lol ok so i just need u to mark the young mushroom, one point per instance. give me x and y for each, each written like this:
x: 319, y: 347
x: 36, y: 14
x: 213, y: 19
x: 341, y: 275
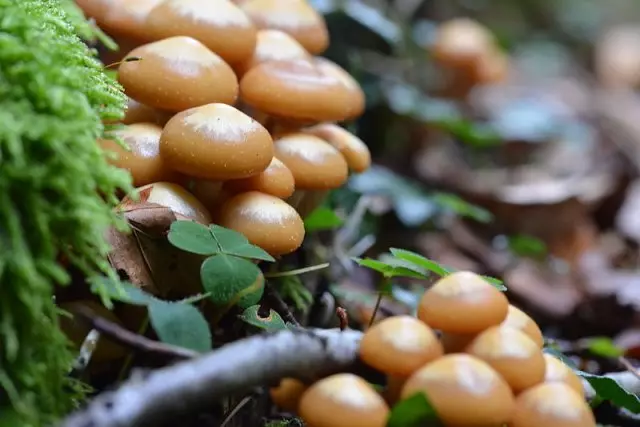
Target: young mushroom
x: 177, y: 73
x: 220, y: 25
x: 464, y: 391
x: 515, y: 356
x: 294, y: 17
x: 551, y: 405
x: 354, y: 151
x: 276, y: 180
x: 266, y: 221
x: 137, y: 112
x: 342, y: 400
x: 317, y: 167
x: 558, y: 371
x: 463, y: 303
x: 120, y: 18
x: 520, y: 320
x: 460, y: 43
x: 272, y: 45
x: 287, y: 394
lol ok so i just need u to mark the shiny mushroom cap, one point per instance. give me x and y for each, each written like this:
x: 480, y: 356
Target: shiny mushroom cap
x: 464, y: 391
x: 121, y: 18
x: 512, y: 354
x: 266, y: 221
x: 177, y: 73
x: 220, y: 25
x: 463, y: 303
x: 354, y: 151
x: 272, y: 45
x: 558, y: 371
x: 287, y: 394
x: 298, y: 89
x: 137, y: 112
x: 294, y: 17
x: 520, y: 320
x: 461, y: 42
x: 551, y: 405
x: 314, y: 163
x: 142, y: 159
x: 343, y: 400
x: 276, y: 180
x: 216, y: 142
x: 399, y: 345
x: 358, y: 101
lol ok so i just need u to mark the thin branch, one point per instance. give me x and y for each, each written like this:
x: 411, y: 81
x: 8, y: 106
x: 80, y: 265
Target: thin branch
x: 278, y: 304
x: 188, y: 386
x: 629, y: 367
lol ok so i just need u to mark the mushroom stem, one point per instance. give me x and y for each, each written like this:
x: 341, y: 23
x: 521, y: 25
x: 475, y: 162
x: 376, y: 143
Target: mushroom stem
x: 306, y: 202
x: 208, y: 192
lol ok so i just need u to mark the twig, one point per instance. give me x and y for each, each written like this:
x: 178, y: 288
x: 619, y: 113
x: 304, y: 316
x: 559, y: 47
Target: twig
x: 629, y: 367
x: 343, y: 317
x: 279, y: 305
x: 235, y: 368
x: 236, y: 409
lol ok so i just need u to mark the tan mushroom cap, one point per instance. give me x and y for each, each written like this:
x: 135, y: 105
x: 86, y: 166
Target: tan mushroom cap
x: 463, y: 303
x: 558, y: 371
x: 173, y: 196
x: 520, y: 320
x: 455, y: 343
x: 515, y: 356
x: 297, y: 89
x: 399, y: 345
x: 354, y: 151
x: 220, y: 25
x: 267, y: 221
x: 177, y: 73
x: 294, y: 17
x: 276, y: 180
x: 216, y: 142
x: 357, y: 96
x: 314, y: 163
x: 272, y: 45
x: 551, y: 405
x: 122, y: 18
x: 343, y: 400
x: 617, y: 59
x: 287, y: 394
x: 464, y: 391
x: 492, y: 67
x: 143, y: 160
x: 461, y: 42
x: 137, y: 112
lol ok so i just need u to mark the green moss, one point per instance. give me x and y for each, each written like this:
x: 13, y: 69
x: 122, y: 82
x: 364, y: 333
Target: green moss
x: 56, y: 197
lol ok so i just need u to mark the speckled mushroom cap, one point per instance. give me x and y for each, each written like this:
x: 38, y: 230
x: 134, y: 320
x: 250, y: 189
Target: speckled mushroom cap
x: 551, y: 405
x: 266, y: 221
x: 354, y: 151
x: 461, y: 42
x: 294, y: 17
x: 143, y: 159
x: 220, y: 25
x: 177, y: 73
x: 276, y: 180
x: 272, y: 45
x: 137, y: 112
x: 172, y: 196
x: 314, y: 163
x: 216, y: 142
x: 463, y: 303
x: 557, y: 371
x: 297, y: 89
x: 399, y: 345
x: 123, y: 18
x: 464, y: 391
x: 512, y: 354
x: 342, y: 400
x: 520, y: 320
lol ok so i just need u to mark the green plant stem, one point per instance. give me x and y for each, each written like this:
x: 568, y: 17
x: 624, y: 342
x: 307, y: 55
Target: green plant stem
x: 383, y: 285
x: 297, y: 272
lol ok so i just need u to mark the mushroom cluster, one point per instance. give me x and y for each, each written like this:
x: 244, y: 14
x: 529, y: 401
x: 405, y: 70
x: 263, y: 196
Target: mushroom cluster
x: 477, y: 359
x: 232, y: 115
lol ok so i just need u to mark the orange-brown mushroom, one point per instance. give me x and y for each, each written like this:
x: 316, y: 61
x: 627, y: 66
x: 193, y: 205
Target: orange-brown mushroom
x: 520, y: 320
x: 558, y: 371
x: 272, y: 45
x: 455, y: 343
x: 120, y: 18
x: 177, y: 73
x: 460, y: 43
x: 288, y: 393
x: 137, y: 112
x: 276, y: 180
x: 354, y: 151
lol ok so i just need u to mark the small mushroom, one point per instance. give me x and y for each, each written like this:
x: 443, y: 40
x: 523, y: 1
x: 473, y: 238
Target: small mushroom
x: 342, y: 400
x: 266, y: 221
x: 617, y: 57
x: 142, y: 159
x: 512, y: 354
x: 276, y: 180
x: 356, y: 93
x: 300, y: 90
x: 551, y: 405
x: 287, y: 394
x: 137, y: 112
x: 354, y: 151
x: 518, y: 319
x: 220, y: 25
x: 120, y: 18
x: 183, y: 204
x: 464, y: 391
x: 558, y: 371
x: 492, y: 67
x: 460, y: 43
x: 177, y: 73
x: 294, y: 17
x: 463, y: 303
x: 272, y: 45
x: 216, y: 142
x: 317, y: 167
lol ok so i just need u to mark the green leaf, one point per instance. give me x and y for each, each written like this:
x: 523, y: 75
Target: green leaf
x: 249, y: 251
x: 231, y: 242
x: 322, y: 218
x: 415, y: 411
x: 121, y: 291
x: 272, y: 323
x: 603, y: 346
x: 180, y: 325
x: 420, y: 261
x: 527, y: 246
x: 608, y: 389
x: 388, y: 271
x: 226, y: 278
x: 461, y: 207
x: 192, y: 237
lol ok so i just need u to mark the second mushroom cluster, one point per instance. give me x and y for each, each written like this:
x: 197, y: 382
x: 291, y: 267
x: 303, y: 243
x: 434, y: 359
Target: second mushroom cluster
x: 232, y: 115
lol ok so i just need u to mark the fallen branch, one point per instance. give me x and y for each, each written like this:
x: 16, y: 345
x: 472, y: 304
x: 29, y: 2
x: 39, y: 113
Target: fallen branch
x: 188, y: 386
